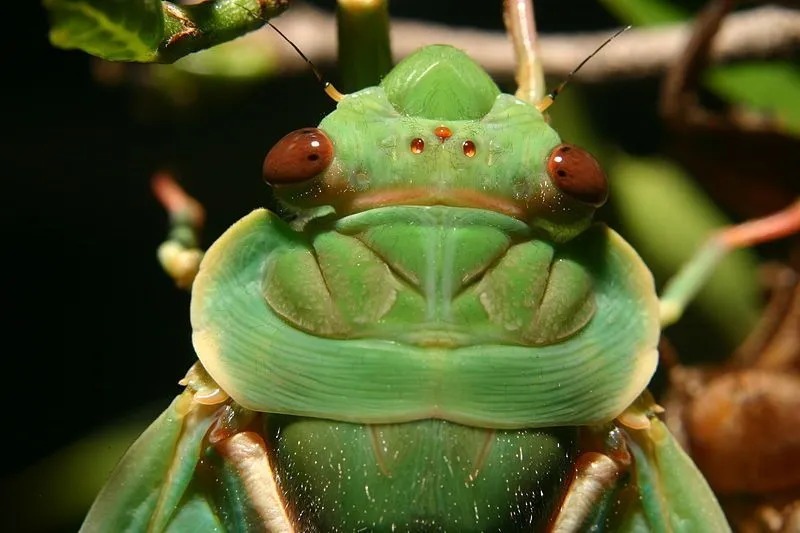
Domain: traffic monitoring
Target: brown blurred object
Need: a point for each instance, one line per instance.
(741, 422)
(744, 159)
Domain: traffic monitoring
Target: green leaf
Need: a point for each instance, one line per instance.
(119, 30)
(773, 88)
(645, 12)
(667, 217)
(768, 87)
(240, 59)
(84, 466)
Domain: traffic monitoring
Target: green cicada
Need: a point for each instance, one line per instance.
(442, 340)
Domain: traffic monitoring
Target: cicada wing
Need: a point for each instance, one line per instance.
(149, 489)
(673, 494)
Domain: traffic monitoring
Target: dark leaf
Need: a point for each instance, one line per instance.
(120, 30)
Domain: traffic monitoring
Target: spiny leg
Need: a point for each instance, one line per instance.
(247, 454)
(595, 478)
(633, 476)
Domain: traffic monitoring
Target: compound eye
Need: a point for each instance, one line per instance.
(297, 157)
(576, 173)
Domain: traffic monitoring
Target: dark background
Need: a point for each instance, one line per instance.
(93, 330)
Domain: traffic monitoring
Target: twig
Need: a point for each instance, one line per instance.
(521, 27)
(682, 287)
(640, 52)
(179, 255)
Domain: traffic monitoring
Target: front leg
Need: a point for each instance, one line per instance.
(201, 466)
(639, 479)
(245, 454)
(596, 478)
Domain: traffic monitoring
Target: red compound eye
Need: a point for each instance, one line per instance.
(576, 173)
(299, 156)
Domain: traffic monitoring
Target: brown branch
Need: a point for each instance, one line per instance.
(640, 52)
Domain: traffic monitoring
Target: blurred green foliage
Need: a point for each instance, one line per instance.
(665, 214)
(646, 12)
(118, 30)
(59, 489)
(771, 87)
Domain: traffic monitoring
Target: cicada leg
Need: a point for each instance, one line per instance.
(671, 493)
(198, 467)
(246, 453)
(596, 479)
(638, 479)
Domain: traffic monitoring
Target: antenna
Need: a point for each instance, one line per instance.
(327, 86)
(550, 98)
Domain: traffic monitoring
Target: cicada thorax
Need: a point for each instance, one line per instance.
(432, 276)
(268, 362)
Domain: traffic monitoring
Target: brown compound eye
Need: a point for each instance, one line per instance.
(299, 156)
(576, 173)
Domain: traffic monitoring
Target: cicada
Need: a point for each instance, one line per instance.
(440, 340)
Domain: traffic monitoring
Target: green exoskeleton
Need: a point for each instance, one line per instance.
(442, 340)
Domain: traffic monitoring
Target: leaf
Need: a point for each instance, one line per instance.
(645, 12)
(84, 465)
(667, 217)
(769, 87)
(773, 88)
(245, 58)
(118, 30)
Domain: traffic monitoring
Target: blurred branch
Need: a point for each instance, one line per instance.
(180, 254)
(755, 33)
(363, 37)
(529, 72)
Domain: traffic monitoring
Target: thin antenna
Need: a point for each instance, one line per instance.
(327, 86)
(548, 100)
